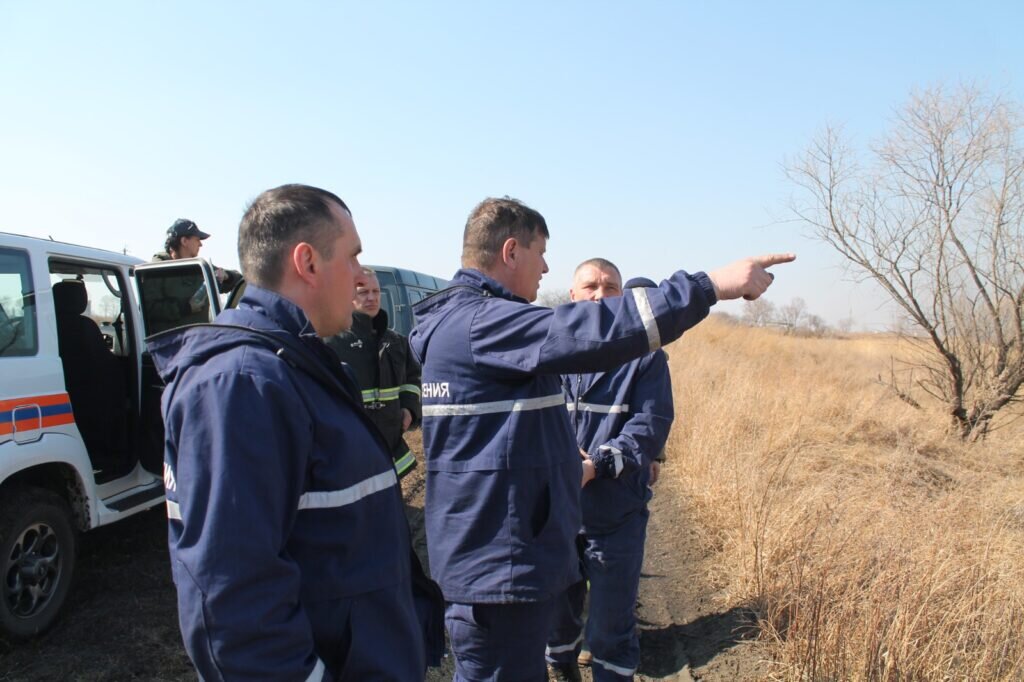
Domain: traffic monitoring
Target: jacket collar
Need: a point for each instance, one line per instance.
(475, 278)
(364, 324)
(278, 309)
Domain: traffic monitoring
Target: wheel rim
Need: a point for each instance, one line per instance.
(32, 571)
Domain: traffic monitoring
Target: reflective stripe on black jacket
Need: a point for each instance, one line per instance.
(387, 375)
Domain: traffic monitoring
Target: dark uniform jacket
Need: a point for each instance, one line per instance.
(388, 376)
(622, 419)
(503, 468)
(287, 532)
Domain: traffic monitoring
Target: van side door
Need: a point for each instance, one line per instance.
(172, 294)
(176, 293)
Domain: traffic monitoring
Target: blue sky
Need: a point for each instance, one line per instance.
(652, 134)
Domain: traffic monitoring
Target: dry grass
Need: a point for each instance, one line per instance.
(872, 546)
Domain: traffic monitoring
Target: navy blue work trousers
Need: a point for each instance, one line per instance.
(611, 563)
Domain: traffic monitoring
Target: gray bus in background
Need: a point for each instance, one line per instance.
(400, 289)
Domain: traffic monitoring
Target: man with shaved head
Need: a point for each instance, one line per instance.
(621, 419)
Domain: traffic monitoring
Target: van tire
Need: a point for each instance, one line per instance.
(38, 544)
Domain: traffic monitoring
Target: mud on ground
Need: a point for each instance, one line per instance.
(121, 619)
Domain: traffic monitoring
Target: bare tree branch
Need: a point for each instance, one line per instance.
(937, 220)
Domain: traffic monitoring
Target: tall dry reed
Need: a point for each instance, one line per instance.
(871, 545)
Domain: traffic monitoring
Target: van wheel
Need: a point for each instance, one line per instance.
(37, 559)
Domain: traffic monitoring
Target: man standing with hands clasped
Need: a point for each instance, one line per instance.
(621, 419)
(503, 468)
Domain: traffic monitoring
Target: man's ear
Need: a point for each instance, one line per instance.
(306, 262)
(572, 294)
(510, 252)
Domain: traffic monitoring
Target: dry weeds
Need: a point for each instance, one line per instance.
(872, 546)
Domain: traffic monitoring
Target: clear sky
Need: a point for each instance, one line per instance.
(650, 133)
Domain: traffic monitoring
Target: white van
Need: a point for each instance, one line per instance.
(81, 438)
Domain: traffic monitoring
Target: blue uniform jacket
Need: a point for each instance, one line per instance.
(503, 469)
(622, 419)
(282, 502)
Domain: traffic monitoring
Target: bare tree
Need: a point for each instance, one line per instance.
(815, 325)
(759, 312)
(792, 315)
(936, 221)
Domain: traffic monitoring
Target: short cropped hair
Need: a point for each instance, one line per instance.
(494, 221)
(600, 264)
(276, 221)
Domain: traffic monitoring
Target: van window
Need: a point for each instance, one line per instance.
(18, 331)
(104, 299)
(173, 297)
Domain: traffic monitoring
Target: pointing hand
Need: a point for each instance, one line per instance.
(747, 278)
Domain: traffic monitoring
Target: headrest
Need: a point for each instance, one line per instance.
(70, 297)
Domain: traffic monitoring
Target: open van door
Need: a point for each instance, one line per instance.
(172, 294)
(175, 293)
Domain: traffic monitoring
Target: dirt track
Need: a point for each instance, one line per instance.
(121, 620)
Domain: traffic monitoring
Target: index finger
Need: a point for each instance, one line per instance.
(774, 259)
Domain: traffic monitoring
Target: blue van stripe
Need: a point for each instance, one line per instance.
(51, 410)
(47, 411)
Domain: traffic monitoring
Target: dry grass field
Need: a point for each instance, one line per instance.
(870, 544)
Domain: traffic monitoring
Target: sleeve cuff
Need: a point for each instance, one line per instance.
(704, 282)
(608, 462)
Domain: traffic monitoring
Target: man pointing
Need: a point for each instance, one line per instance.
(503, 468)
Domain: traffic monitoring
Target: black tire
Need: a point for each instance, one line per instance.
(37, 560)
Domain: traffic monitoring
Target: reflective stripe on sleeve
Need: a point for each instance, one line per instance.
(616, 457)
(328, 499)
(372, 395)
(643, 306)
(318, 672)
(520, 405)
(173, 511)
(411, 388)
(169, 482)
(404, 463)
(595, 407)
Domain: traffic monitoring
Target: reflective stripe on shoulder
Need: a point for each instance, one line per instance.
(595, 407)
(318, 672)
(643, 306)
(328, 499)
(520, 405)
(173, 511)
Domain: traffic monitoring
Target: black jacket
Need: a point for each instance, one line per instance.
(388, 376)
